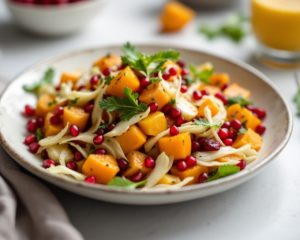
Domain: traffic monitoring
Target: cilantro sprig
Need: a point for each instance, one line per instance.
(127, 106)
(240, 100)
(201, 75)
(46, 79)
(125, 183)
(205, 123)
(224, 171)
(147, 63)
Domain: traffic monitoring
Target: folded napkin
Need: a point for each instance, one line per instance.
(28, 210)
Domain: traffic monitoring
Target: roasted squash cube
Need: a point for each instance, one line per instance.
(153, 124)
(250, 137)
(75, 115)
(190, 172)
(136, 164)
(103, 167)
(235, 90)
(155, 93)
(49, 128)
(46, 103)
(178, 146)
(124, 79)
(253, 122)
(132, 139)
(219, 79)
(211, 105)
(212, 90)
(72, 77)
(169, 179)
(233, 111)
(110, 61)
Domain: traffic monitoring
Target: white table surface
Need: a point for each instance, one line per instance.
(267, 207)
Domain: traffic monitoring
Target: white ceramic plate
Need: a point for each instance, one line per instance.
(264, 94)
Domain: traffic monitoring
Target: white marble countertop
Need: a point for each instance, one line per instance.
(267, 207)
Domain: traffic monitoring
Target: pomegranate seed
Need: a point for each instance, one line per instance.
(202, 178)
(72, 165)
(232, 133)
(48, 163)
(94, 80)
(144, 82)
(30, 139)
(137, 177)
(59, 111)
(167, 108)
(242, 164)
(100, 131)
(183, 88)
(90, 179)
(28, 111)
(89, 108)
(81, 87)
(204, 92)
(44, 154)
(57, 88)
(260, 129)
(33, 147)
(235, 124)
(172, 71)
(222, 98)
(111, 126)
(228, 141)
(179, 121)
(166, 76)
(175, 113)
(32, 125)
(224, 86)
(190, 161)
(153, 107)
(174, 130)
(149, 162)
(260, 113)
(77, 156)
(55, 120)
(122, 163)
(197, 95)
(181, 165)
(40, 121)
(106, 72)
(98, 139)
(201, 142)
(181, 63)
(184, 72)
(195, 146)
(226, 125)
(74, 130)
(211, 145)
(223, 133)
(100, 151)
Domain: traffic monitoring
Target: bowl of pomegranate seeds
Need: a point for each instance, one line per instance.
(144, 125)
(53, 17)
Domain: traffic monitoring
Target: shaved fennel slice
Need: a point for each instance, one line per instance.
(163, 187)
(207, 114)
(244, 151)
(66, 172)
(188, 110)
(124, 125)
(162, 166)
(191, 128)
(52, 140)
(65, 156)
(171, 88)
(84, 137)
(217, 163)
(55, 151)
(79, 149)
(113, 147)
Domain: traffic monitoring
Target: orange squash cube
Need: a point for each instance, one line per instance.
(178, 146)
(211, 105)
(75, 115)
(103, 167)
(233, 111)
(190, 172)
(219, 79)
(235, 90)
(45, 104)
(110, 61)
(154, 124)
(49, 128)
(132, 139)
(253, 122)
(212, 90)
(125, 78)
(169, 179)
(136, 161)
(250, 137)
(72, 77)
(155, 93)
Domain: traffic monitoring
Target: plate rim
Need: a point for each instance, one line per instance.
(243, 175)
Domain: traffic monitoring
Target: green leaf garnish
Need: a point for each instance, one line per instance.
(73, 102)
(205, 123)
(108, 79)
(224, 171)
(201, 75)
(297, 101)
(125, 183)
(155, 79)
(239, 100)
(147, 63)
(233, 28)
(127, 106)
(39, 134)
(46, 79)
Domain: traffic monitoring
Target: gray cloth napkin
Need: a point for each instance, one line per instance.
(28, 210)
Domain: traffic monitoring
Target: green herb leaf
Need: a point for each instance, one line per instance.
(205, 123)
(125, 183)
(53, 102)
(108, 79)
(155, 79)
(224, 171)
(201, 75)
(39, 134)
(297, 101)
(73, 102)
(239, 100)
(127, 106)
(172, 101)
(46, 79)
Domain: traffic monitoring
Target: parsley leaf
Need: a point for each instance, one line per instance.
(146, 63)
(240, 100)
(46, 79)
(73, 102)
(297, 101)
(39, 134)
(125, 183)
(127, 106)
(201, 75)
(205, 123)
(224, 171)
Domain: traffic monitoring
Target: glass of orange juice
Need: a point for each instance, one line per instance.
(276, 25)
